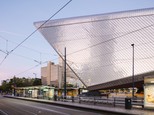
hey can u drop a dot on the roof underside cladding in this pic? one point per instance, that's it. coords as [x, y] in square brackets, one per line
[99, 46]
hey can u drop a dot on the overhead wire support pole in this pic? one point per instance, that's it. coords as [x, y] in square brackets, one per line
[3, 59]
[69, 66]
[65, 73]
[133, 84]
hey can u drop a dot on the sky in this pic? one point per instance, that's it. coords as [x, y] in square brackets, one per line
[16, 23]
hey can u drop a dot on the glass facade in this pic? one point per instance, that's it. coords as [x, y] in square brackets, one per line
[99, 46]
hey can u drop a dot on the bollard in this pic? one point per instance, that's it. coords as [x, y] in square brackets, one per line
[79, 100]
[55, 97]
[72, 98]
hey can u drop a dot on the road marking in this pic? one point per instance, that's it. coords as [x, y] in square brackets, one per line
[49, 110]
[58, 112]
[28, 111]
[58, 107]
[4, 113]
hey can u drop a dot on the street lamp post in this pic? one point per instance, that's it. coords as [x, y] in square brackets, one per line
[14, 90]
[133, 84]
[65, 73]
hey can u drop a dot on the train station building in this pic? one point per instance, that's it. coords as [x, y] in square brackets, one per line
[99, 48]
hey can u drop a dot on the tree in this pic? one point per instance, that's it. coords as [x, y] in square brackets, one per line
[8, 85]
[37, 81]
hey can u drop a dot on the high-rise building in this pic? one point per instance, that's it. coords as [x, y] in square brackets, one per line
[53, 75]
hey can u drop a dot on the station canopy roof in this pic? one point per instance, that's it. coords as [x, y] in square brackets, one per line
[99, 46]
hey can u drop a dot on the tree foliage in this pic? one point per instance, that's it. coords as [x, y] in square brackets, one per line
[9, 84]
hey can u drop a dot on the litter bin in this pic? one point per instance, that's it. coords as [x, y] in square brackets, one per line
[128, 103]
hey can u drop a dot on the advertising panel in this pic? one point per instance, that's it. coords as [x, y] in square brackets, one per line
[149, 96]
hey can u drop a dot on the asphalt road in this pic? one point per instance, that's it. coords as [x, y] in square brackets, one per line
[10, 106]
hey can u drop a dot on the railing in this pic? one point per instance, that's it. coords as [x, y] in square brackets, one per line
[98, 100]
[118, 101]
[138, 102]
[67, 99]
[112, 100]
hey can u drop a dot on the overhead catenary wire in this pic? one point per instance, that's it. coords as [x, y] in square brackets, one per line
[28, 69]
[4, 59]
[130, 32]
[119, 62]
[41, 26]
[6, 48]
[126, 48]
[113, 38]
[16, 43]
[70, 67]
[3, 38]
[27, 47]
[3, 51]
[91, 21]
[125, 34]
[22, 56]
[35, 31]
[34, 66]
[26, 57]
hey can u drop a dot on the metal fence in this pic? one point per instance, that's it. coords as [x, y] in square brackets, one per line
[115, 101]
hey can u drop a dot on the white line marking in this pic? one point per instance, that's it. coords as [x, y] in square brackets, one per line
[4, 113]
[50, 110]
[43, 109]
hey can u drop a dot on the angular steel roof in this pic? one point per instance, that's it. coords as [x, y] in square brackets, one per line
[99, 46]
[124, 82]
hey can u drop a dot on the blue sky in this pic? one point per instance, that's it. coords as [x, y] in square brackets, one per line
[16, 23]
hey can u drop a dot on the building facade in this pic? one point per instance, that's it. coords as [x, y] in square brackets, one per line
[40, 92]
[53, 75]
